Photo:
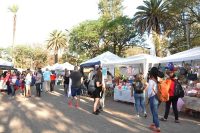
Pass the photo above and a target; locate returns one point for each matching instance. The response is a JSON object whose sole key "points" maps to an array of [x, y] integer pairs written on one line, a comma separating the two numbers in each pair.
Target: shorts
{"points": [[75, 92]]}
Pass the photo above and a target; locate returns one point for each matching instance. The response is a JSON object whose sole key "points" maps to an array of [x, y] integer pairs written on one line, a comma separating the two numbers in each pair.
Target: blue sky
{"points": [[37, 18]]}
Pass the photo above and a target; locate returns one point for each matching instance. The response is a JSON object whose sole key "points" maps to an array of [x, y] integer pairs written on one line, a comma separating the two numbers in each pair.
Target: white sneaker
{"points": [[138, 115]]}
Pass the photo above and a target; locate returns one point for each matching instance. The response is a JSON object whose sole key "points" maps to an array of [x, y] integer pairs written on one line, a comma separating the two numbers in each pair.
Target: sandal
{"points": [[157, 130], [152, 126]]}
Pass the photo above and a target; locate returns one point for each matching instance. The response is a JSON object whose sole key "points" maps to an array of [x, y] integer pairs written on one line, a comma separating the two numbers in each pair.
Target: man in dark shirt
{"points": [[77, 79]]}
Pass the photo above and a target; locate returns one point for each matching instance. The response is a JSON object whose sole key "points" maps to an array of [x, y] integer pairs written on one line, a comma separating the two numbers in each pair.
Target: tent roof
{"points": [[68, 66], [137, 59], [140, 57], [101, 59], [188, 55]]}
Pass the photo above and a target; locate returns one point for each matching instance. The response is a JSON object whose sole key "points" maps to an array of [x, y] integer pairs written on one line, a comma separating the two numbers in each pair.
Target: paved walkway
{"points": [[50, 114]]}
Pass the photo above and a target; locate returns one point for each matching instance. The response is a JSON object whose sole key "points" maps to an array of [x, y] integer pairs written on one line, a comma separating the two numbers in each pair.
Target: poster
{"points": [[104, 72]]}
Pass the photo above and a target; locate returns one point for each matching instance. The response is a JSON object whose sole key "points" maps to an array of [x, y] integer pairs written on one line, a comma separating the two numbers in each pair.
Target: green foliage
{"points": [[110, 9], [153, 16], [85, 38], [14, 8], [73, 59], [28, 57], [39, 57], [57, 40], [120, 33], [186, 33]]}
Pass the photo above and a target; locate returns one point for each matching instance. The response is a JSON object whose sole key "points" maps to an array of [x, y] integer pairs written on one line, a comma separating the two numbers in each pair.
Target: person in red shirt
{"points": [[53, 79], [172, 99]]}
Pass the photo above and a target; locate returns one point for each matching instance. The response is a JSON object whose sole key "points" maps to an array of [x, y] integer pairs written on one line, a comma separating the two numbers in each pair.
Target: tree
{"points": [[30, 57], [85, 38], [57, 41], [39, 57], [186, 33], [110, 9], [153, 17], [23, 56], [120, 34], [13, 9]]}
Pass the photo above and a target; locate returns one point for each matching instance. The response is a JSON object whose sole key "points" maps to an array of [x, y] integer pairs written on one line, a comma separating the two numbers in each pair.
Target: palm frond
{"points": [[14, 8]]}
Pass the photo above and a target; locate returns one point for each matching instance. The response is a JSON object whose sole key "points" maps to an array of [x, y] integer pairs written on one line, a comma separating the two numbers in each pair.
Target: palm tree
{"points": [[57, 40], [153, 17], [13, 9]]}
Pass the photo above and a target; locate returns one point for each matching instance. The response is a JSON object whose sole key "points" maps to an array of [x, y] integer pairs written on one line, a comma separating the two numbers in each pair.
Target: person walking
{"points": [[139, 95], [77, 79], [42, 80], [46, 76], [153, 100], [172, 99], [28, 83], [97, 91], [6, 76], [66, 82], [53, 81], [38, 83]]}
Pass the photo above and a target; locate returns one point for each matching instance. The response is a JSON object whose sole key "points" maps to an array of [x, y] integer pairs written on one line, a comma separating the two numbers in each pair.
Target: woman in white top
{"points": [[28, 83], [153, 100]]}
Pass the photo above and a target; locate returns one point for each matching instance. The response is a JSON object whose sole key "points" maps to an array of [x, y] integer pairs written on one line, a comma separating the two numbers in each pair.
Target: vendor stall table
{"points": [[123, 94], [192, 103]]}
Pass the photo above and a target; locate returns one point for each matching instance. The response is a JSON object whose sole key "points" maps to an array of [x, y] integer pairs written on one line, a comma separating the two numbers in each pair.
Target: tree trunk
{"points": [[188, 34], [56, 57], [119, 50], [157, 44], [115, 49], [13, 41]]}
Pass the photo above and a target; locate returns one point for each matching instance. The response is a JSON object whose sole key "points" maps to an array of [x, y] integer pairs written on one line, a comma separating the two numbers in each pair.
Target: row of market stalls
{"points": [[187, 60]]}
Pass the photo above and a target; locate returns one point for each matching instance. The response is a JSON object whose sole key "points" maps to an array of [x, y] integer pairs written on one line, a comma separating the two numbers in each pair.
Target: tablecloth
{"points": [[192, 103], [123, 94]]}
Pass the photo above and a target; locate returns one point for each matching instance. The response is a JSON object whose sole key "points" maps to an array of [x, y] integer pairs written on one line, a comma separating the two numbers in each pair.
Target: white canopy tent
{"points": [[68, 66], [5, 63], [188, 55], [57, 66], [143, 59], [102, 59]]}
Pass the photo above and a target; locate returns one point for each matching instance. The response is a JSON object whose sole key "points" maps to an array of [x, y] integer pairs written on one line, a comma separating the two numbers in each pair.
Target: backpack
{"points": [[178, 91], [138, 87], [33, 80], [91, 86], [163, 90]]}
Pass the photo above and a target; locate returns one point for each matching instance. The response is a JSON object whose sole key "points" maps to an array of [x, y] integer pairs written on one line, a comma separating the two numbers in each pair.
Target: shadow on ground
{"points": [[50, 114]]}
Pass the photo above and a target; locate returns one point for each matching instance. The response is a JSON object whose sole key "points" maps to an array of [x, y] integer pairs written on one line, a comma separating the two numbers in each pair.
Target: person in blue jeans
{"points": [[139, 88], [152, 95]]}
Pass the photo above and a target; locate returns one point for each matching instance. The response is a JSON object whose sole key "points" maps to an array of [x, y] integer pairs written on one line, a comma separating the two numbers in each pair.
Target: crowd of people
{"points": [[75, 81], [153, 89], [24, 81]]}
